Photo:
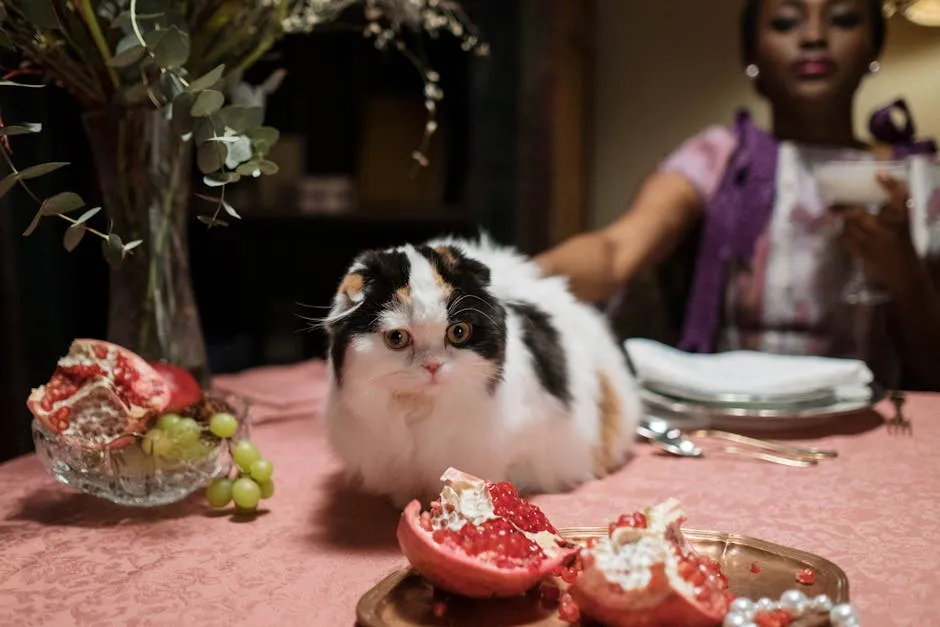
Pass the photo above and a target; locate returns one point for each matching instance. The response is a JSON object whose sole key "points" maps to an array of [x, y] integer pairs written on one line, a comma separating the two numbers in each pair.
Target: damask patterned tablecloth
{"points": [[70, 559]]}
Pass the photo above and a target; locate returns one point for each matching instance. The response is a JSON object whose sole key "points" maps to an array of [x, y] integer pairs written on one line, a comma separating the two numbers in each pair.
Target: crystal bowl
{"points": [[856, 182], [129, 474]]}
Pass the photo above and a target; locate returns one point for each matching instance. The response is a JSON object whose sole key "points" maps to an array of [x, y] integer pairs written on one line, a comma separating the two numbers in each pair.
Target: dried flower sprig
{"points": [[185, 58]]}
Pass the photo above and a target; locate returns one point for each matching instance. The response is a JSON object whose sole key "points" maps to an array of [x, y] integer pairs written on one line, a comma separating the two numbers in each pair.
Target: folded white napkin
{"points": [[746, 372]]}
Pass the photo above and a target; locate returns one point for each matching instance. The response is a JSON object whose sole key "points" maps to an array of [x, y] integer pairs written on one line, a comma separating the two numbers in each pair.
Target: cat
{"points": [[460, 353]]}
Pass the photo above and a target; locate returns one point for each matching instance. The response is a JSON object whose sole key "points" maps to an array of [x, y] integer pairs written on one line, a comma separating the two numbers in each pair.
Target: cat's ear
{"points": [[351, 290], [456, 263]]}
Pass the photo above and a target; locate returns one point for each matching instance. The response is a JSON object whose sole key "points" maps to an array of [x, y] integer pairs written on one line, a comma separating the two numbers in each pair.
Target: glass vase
{"points": [[143, 166]]}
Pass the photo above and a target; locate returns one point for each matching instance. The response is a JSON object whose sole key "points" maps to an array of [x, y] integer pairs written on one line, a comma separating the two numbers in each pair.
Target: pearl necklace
{"points": [[744, 610]]}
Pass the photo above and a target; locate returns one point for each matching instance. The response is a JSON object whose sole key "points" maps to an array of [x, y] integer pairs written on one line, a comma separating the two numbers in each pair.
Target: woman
{"points": [[766, 271]]}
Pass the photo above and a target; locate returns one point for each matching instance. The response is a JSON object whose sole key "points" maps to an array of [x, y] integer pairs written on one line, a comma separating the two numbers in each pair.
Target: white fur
{"points": [[519, 432]]}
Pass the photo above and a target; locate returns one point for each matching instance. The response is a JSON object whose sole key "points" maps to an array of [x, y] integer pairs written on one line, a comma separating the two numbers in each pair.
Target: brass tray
{"points": [[404, 598]]}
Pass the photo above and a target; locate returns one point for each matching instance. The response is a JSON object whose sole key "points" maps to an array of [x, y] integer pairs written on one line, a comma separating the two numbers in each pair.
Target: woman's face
{"points": [[813, 50]]}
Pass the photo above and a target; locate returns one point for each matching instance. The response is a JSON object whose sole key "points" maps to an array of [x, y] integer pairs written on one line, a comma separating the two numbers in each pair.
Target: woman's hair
{"points": [[749, 26]]}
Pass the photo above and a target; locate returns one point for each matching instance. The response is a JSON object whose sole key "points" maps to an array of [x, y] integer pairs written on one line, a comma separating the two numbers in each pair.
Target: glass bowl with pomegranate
{"points": [[112, 425]]}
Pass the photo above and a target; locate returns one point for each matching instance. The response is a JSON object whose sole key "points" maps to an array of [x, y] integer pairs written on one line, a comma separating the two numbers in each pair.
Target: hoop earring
{"points": [[874, 67], [752, 71]]}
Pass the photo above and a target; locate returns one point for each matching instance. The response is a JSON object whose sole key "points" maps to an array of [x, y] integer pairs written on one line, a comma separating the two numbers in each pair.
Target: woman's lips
{"points": [[815, 68]]}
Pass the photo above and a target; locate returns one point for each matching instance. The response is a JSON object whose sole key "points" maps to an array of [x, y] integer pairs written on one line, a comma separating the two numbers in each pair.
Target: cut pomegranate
{"points": [[481, 539], [184, 389], [99, 392], [650, 575]]}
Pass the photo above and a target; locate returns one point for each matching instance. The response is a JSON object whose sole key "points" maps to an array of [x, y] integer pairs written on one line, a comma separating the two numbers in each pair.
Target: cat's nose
{"points": [[432, 366]]}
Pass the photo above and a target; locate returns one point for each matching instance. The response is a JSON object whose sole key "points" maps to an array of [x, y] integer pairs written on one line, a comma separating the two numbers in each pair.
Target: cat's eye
{"points": [[459, 333], [397, 339]]}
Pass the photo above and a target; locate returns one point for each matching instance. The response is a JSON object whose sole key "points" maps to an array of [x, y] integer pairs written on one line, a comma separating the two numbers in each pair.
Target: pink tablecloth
{"points": [[68, 559]]}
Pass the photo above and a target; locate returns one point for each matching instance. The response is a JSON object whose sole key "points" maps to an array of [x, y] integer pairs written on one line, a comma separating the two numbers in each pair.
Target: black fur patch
{"points": [[471, 302], [548, 357], [384, 273]]}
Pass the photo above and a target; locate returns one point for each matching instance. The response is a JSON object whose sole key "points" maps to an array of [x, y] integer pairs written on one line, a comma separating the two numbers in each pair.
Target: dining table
{"points": [[317, 546]]}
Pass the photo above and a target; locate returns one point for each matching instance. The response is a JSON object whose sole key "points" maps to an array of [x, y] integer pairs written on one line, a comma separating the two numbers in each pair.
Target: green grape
{"points": [[245, 454], [185, 431], [219, 492], [223, 425], [168, 421], [246, 493], [267, 488], [156, 442], [261, 470]]}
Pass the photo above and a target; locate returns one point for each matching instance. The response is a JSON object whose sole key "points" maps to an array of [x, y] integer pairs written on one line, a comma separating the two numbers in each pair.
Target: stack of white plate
{"points": [[746, 389]]}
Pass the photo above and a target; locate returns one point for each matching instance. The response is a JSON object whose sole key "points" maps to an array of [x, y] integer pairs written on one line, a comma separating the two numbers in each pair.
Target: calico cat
{"points": [[459, 353]]}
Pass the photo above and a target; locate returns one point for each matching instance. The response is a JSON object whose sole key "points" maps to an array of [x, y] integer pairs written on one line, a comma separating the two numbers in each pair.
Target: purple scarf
{"points": [[741, 208]]}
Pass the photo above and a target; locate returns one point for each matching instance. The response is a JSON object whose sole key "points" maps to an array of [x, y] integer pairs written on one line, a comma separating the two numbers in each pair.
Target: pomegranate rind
{"points": [[456, 572], [98, 415], [659, 603]]}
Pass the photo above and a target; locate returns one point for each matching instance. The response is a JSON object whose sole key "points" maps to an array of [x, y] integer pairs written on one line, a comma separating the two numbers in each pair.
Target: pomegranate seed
{"points": [[101, 352], [686, 569], [568, 610], [439, 609], [697, 578], [755, 568], [568, 575], [807, 576], [46, 404]]}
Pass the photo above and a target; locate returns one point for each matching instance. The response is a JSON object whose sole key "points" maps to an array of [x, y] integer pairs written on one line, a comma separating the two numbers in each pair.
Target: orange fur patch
{"points": [[609, 407], [403, 294], [447, 254], [352, 285]]}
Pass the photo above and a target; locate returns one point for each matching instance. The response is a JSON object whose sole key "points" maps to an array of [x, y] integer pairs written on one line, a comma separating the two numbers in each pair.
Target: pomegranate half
{"points": [[481, 539], [646, 573], [99, 392]]}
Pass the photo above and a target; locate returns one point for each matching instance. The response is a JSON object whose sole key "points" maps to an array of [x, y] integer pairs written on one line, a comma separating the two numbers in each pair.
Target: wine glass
{"points": [[855, 183]]}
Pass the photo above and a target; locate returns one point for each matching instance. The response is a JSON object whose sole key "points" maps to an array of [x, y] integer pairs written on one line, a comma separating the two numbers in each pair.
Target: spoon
{"points": [[674, 441], [670, 439]]}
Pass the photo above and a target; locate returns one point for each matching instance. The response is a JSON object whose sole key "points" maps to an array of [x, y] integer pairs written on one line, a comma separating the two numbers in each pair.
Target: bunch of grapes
{"points": [[253, 481], [175, 437]]}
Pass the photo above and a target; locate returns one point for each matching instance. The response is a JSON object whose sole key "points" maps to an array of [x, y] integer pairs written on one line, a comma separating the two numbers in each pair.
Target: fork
{"points": [[783, 449], [899, 424]]}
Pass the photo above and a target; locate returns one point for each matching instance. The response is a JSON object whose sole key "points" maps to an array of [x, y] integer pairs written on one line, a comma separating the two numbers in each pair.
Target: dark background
{"points": [[250, 277]]}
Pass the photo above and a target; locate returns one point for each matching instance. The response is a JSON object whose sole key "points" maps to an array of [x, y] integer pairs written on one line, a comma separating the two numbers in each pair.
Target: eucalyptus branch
{"points": [[91, 21], [22, 183]]}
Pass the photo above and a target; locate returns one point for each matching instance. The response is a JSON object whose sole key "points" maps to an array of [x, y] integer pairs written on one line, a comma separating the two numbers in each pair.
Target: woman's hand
{"points": [[882, 243]]}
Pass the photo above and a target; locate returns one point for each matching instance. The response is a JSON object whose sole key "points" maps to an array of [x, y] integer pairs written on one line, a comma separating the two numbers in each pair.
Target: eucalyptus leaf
{"points": [[128, 57], [40, 13], [85, 217], [268, 167], [135, 94], [210, 157], [73, 235], [182, 119], [63, 202], [113, 250], [242, 119], [35, 171], [15, 84], [250, 168], [238, 152], [219, 179], [211, 221], [32, 225], [173, 49], [225, 139], [129, 246], [229, 209], [204, 129], [23, 128], [153, 37], [266, 134], [207, 102], [207, 80]]}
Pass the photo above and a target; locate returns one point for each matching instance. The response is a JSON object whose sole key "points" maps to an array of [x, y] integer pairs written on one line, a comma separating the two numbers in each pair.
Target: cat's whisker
{"points": [[462, 297], [474, 309], [306, 306]]}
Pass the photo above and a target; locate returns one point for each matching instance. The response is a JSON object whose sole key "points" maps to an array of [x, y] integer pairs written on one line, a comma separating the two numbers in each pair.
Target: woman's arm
{"points": [[598, 263]]}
